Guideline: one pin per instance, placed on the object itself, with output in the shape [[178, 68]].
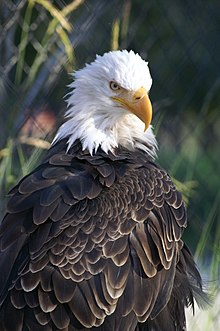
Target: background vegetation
[[42, 41]]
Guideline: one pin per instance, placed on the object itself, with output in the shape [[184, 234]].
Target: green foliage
[[16, 161]]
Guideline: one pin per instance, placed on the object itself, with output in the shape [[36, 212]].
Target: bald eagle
[[91, 239]]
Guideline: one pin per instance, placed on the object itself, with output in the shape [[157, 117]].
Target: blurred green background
[[42, 41]]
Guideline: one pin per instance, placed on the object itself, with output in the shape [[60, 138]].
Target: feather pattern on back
[[93, 242]]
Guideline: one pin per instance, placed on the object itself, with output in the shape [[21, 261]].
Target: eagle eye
[[114, 86]]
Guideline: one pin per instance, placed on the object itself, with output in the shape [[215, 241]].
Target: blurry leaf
[[36, 142], [186, 188], [71, 7], [23, 42], [6, 172], [67, 44], [55, 13], [125, 19], [115, 34], [32, 161], [58, 24]]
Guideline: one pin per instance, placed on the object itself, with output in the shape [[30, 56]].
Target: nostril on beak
[[139, 94]]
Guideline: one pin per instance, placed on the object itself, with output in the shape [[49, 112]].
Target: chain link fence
[[42, 41]]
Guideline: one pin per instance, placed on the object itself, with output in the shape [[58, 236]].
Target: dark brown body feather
[[93, 242]]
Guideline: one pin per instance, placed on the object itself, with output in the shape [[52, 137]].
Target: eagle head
[[109, 105]]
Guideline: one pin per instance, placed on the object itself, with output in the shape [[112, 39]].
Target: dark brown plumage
[[94, 242]]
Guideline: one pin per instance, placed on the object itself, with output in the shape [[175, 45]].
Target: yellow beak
[[138, 103]]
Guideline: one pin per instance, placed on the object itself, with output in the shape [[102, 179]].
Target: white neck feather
[[107, 132]]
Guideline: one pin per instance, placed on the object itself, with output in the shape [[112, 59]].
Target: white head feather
[[93, 116]]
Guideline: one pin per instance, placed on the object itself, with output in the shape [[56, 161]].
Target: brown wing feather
[[93, 242]]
